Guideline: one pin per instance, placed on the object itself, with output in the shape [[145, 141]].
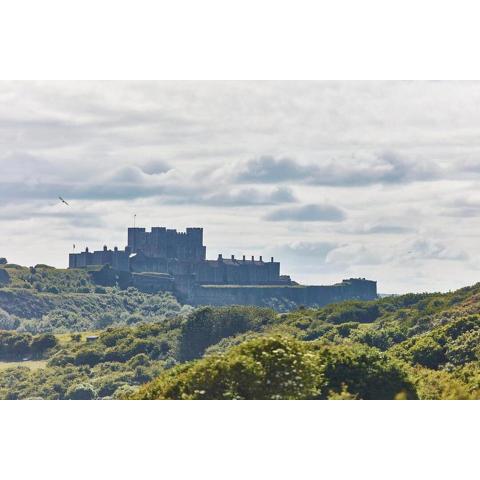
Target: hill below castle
[[63, 336]]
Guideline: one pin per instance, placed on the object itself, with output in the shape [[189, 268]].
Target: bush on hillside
[[207, 326], [284, 368], [83, 391]]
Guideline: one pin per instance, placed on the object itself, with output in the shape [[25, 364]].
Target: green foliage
[[262, 368], [351, 311], [7, 321], [81, 392], [464, 349], [207, 326], [100, 381], [365, 372], [381, 337], [409, 346], [441, 385], [121, 344], [283, 368], [41, 343], [16, 346], [4, 277], [457, 342], [67, 312]]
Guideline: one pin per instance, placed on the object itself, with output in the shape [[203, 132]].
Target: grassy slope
[[31, 364]]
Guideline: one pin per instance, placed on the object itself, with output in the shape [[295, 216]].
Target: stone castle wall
[[358, 289]]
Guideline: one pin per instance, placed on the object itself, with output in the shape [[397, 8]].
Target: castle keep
[[164, 259], [183, 256]]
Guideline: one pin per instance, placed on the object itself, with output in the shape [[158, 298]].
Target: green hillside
[[423, 346], [43, 299], [63, 337]]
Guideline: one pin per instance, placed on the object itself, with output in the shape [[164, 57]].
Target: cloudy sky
[[334, 179]]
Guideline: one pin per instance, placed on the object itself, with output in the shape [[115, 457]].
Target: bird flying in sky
[[63, 201]]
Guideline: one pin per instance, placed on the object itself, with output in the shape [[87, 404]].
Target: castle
[[164, 259]]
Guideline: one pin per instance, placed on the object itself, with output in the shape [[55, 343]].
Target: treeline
[[176, 340]]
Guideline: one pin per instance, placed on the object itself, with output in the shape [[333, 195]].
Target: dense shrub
[[381, 337], [81, 392], [7, 321], [457, 342], [351, 311], [283, 368], [207, 326], [41, 343], [440, 385], [16, 346]]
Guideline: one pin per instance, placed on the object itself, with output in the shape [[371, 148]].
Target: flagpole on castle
[[134, 232]]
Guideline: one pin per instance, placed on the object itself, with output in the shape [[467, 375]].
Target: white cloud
[[385, 167], [354, 254], [307, 213], [430, 249]]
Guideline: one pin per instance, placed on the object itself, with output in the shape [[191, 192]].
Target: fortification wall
[[263, 295]]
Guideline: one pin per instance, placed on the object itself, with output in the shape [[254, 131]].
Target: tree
[[206, 326], [41, 343], [105, 320], [8, 322], [4, 277], [196, 334]]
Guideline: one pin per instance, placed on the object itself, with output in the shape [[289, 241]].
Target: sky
[[334, 179]]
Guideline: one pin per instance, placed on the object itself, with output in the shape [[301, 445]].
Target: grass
[[31, 364], [64, 338]]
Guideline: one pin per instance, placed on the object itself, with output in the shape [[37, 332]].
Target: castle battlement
[[165, 250]]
